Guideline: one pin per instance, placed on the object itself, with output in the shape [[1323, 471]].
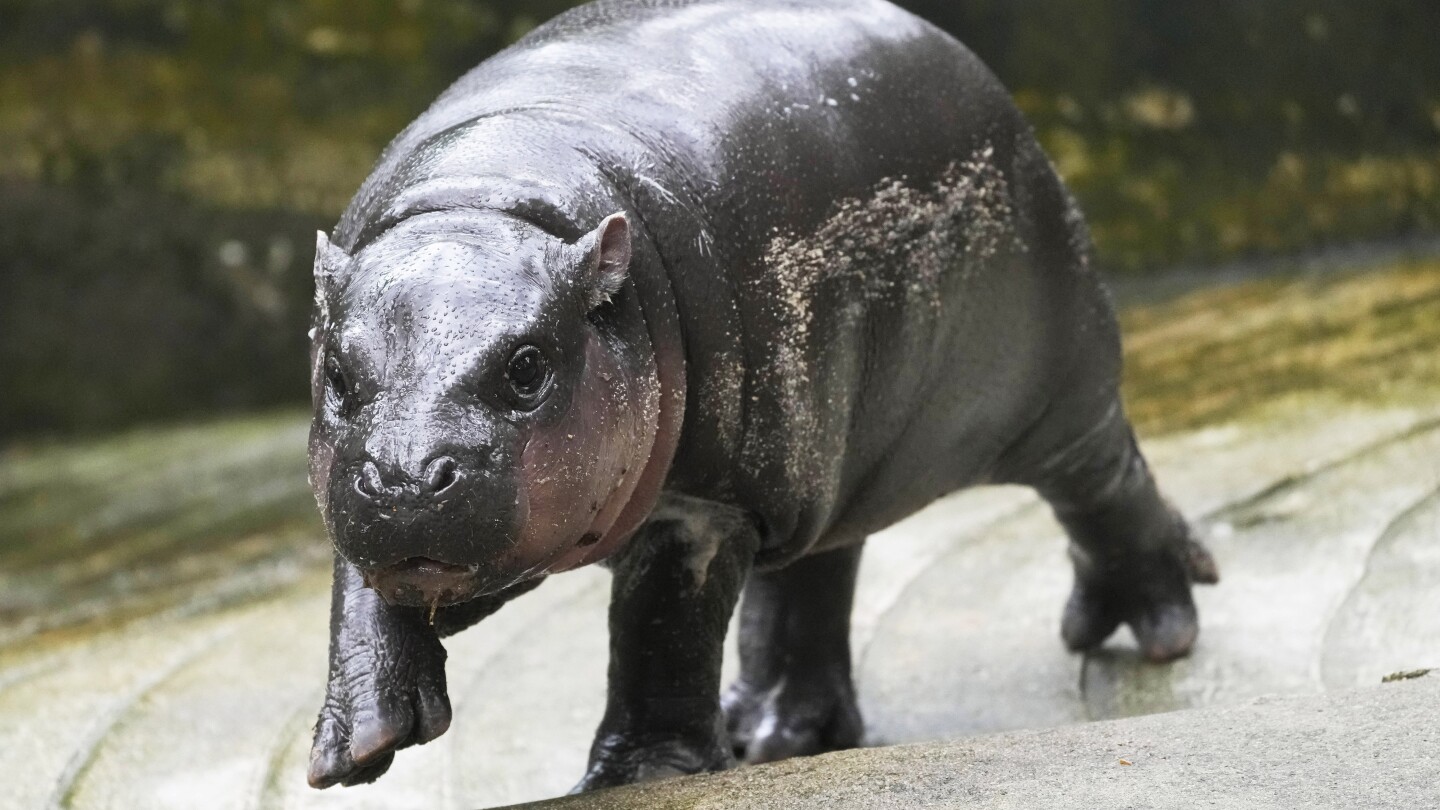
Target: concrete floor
[[1373, 748], [150, 671]]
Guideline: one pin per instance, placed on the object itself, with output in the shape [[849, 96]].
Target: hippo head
[[485, 400]]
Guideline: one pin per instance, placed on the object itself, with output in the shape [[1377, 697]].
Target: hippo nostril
[[440, 475], [369, 483]]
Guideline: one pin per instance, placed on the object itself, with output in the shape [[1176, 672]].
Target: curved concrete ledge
[[1376, 747], [163, 609]]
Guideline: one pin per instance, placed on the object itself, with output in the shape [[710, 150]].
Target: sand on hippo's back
[[901, 244]]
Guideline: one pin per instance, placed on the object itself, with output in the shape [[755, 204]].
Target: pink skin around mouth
[[423, 582]]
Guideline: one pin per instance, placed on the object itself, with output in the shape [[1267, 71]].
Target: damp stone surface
[[163, 621]]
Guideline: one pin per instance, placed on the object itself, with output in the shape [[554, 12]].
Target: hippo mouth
[[423, 582]]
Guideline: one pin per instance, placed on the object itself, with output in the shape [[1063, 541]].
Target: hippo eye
[[528, 372], [339, 386]]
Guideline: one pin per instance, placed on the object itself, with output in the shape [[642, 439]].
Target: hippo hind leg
[[795, 695], [1134, 555]]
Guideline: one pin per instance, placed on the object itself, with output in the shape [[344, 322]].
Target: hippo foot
[[1149, 592], [799, 716], [374, 708], [617, 759]]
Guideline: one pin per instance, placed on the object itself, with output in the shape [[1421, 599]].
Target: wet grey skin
[[707, 292]]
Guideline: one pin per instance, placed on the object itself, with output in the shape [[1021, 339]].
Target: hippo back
[[870, 263]]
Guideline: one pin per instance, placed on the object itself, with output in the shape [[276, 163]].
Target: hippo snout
[[453, 503], [421, 581], [438, 480]]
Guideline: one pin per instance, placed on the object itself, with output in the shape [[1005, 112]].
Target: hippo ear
[[607, 259], [328, 259]]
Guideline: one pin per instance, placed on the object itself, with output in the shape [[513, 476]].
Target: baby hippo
[[706, 292]]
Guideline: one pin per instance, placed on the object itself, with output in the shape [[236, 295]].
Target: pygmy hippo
[[708, 292]]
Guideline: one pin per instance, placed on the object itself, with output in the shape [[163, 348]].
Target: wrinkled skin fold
[[707, 292], [387, 689]]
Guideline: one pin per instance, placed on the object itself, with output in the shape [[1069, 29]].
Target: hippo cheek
[[578, 475], [636, 411], [557, 473], [322, 459]]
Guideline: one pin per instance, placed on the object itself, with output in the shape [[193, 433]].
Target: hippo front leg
[[674, 588], [386, 689]]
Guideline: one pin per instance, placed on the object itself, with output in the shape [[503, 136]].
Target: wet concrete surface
[[163, 595], [1372, 747]]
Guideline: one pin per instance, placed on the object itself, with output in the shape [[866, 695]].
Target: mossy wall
[[164, 163]]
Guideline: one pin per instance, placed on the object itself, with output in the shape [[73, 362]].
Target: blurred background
[[165, 163], [1262, 178]]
